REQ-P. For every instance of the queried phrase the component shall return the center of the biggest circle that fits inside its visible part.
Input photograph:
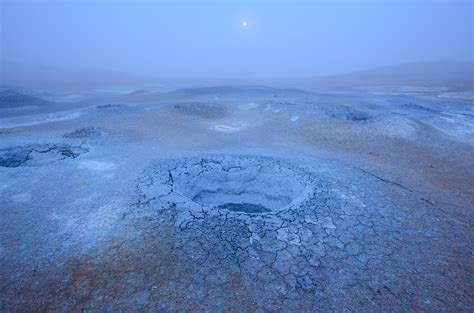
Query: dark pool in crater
(244, 207)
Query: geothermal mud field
(238, 199)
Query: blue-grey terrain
(237, 199)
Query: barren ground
(239, 199)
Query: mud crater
(247, 184)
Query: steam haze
(222, 156)
(92, 42)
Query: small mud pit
(348, 114)
(88, 133)
(210, 111)
(248, 184)
(35, 155)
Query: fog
(223, 156)
(207, 39)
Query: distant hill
(217, 91)
(222, 90)
(12, 99)
(454, 76)
(141, 91)
(449, 75)
(44, 77)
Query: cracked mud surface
(315, 253)
(349, 207)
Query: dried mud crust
(349, 240)
(346, 240)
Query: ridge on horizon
(455, 75)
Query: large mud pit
(236, 183)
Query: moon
(244, 24)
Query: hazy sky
(207, 38)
